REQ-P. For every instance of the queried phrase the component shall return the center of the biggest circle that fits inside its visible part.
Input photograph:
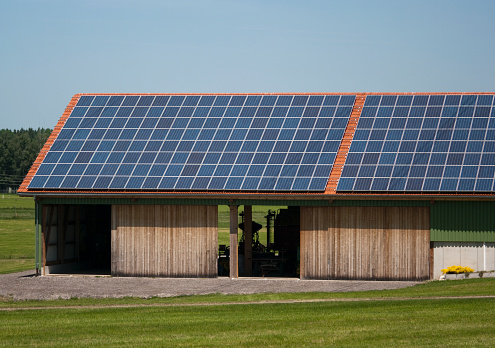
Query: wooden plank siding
(389, 243)
(164, 240)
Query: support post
(234, 266)
(248, 240)
(37, 237)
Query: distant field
(259, 213)
(16, 233)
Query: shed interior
(274, 247)
(76, 239)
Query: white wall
(475, 255)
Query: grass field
(16, 233)
(259, 213)
(405, 317)
(439, 323)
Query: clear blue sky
(52, 49)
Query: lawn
(395, 319)
(16, 233)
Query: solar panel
(422, 143)
(200, 142)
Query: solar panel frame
(439, 132)
(126, 130)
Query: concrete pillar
(234, 262)
(248, 238)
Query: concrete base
(473, 275)
(477, 255)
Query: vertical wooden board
(164, 240)
(365, 242)
(213, 237)
(162, 222)
(305, 265)
(309, 233)
(114, 247)
(319, 238)
(344, 242)
(156, 241)
(325, 246)
(174, 268)
(334, 224)
(233, 260)
(212, 240)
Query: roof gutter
(234, 196)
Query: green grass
(440, 322)
(14, 207)
(412, 316)
(16, 233)
(259, 213)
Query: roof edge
(287, 93)
(48, 144)
(264, 196)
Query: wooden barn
(392, 186)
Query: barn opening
(77, 239)
(267, 247)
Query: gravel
(26, 286)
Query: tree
(18, 150)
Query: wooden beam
(248, 240)
(234, 266)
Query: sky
(53, 49)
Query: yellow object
(457, 270)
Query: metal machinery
(279, 255)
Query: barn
(392, 186)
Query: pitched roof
(296, 144)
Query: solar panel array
(197, 142)
(423, 143)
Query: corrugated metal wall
(164, 240)
(463, 221)
(365, 243)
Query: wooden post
(234, 267)
(248, 240)
(37, 235)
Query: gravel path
(26, 286)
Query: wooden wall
(164, 240)
(390, 243)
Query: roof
(318, 144)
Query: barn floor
(26, 286)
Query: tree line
(18, 150)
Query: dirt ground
(26, 286)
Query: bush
(457, 270)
